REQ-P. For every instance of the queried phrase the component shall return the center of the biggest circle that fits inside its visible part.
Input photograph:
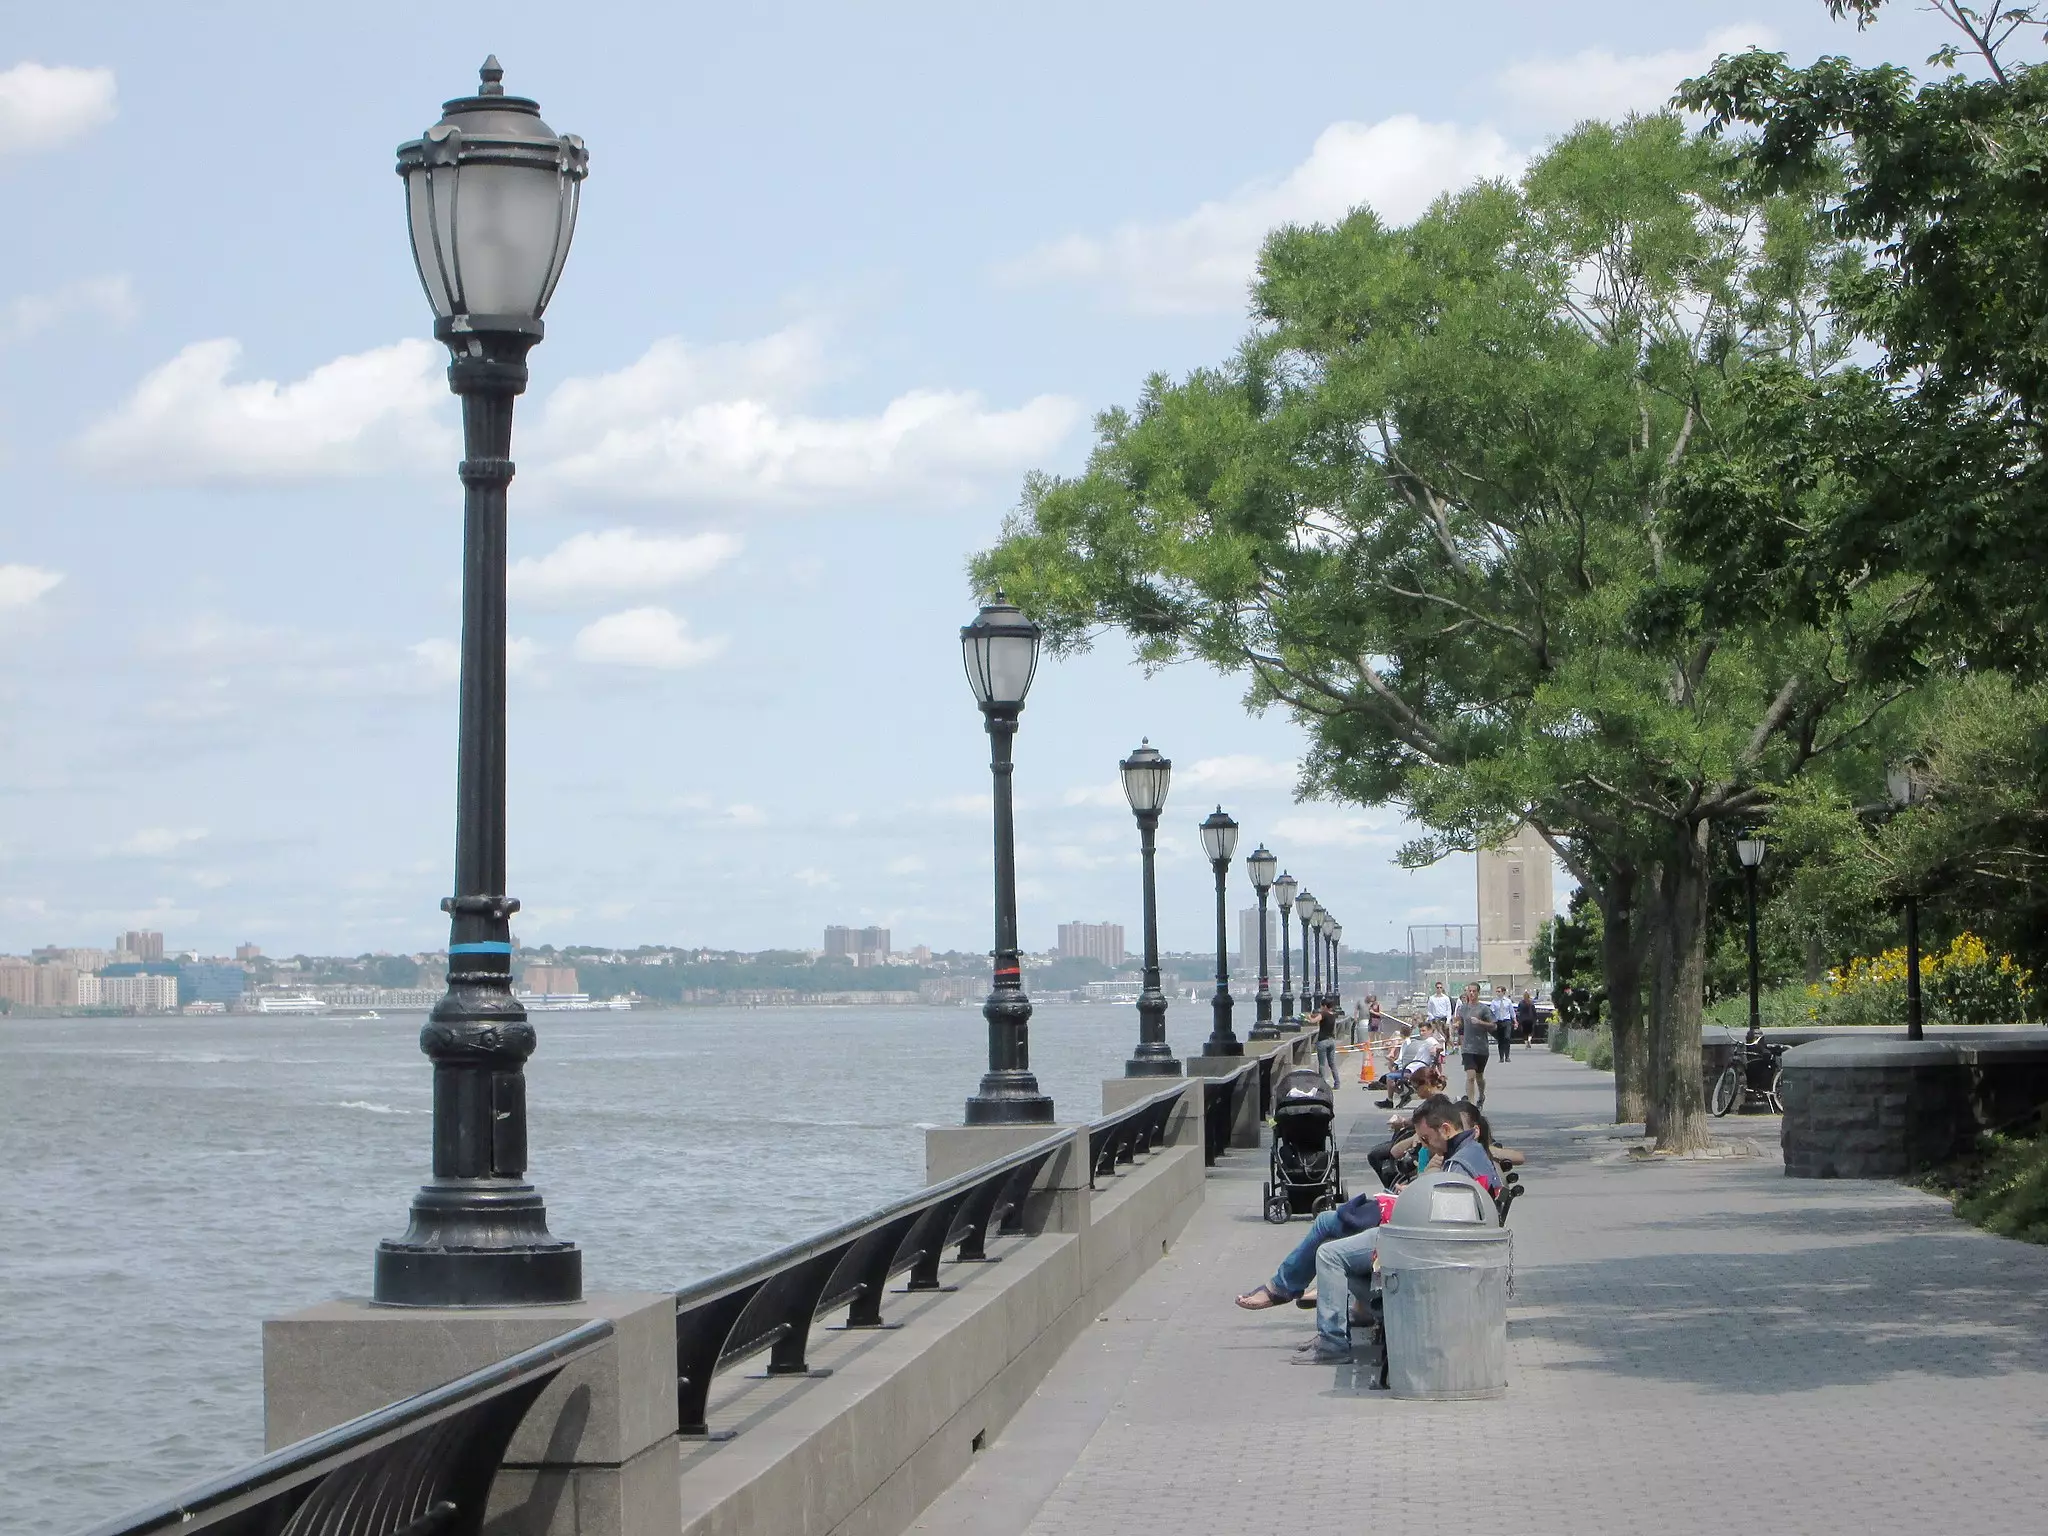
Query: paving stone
(1692, 1344)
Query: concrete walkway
(1692, 1346)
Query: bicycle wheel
(1727, 1091)
(1771, 1093)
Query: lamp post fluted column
(1260, 865)
(1906, 791)
(1146, 775)
(1219, 841)
(1000, 650)
(478, 1235)
(1305, 908)
(1335, 934)
(1750, 850)
(1284, 888)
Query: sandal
(1260, 1299)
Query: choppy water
(166, 1184)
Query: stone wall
(1866, 1107)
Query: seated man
(1420, 1055)
(1340, 1260)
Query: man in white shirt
(1503, 1019)
(1440, 1007)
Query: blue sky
(843, 275)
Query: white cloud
(645, 637)
(21, 585)
(812, 877)
(617, 562)
(1339, 829)
(744, 815)
(1110, 796)
(362, 414)
(1204, 260)
(1597, 83)
(1240, 770)
(112, 298)
(727, 425)
(160, 842)
(43, 106)
(908, 864)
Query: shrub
(1601, 1055)
(1963, 984)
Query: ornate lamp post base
(478, 1243)
(1153, 1057)
(1009, 1098)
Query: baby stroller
(1306, 1178)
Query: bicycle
(1753, 1075)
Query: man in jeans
(1340, 1261)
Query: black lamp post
(1219, 841)
(491, 194)
(1000, 650)
(1335, 933)
(1751, 851)
(1146, 775)
(1284, 888)
(1905, 791)
(1306, 906)
(1261, 865)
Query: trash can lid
(1444, 1200)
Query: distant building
(1248, 940)
(142, 945)
(551, 980)
(246, 952)
(211, 982)
(77, 959)
(863, 946)
(922, 954)
(1092, 941)
(144, 993)
(17, 981)
(1515, 896)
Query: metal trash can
(1444, 1277)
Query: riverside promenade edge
(1693, 1345)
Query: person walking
(1440, 1008)
(1525, 1016)
(1326, 1043)
(1475, 1027)
(1503, 1018)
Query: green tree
(1432, 508)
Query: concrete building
(1248, 941)
(142, 945)
(248, 952)
(1092, 941)
(145, 994)
(17, 982)
(550, 980)
(1515, 895)
(863, 946)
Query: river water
(165, 1184)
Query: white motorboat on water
(570, 1002)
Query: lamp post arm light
(1219, 841)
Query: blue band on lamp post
(481, 947)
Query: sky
(843, 277)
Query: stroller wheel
(1276, 1210)
(1323, 1203)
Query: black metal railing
(422, 1465)
(1130, 1132)
(1220, 1098)
(771, 1302)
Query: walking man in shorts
(1475, 1034)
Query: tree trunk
(1676, 1113)
(1621, 963)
